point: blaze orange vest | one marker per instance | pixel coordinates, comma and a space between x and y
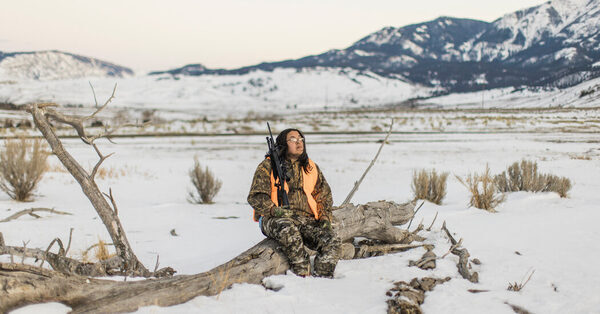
309, 181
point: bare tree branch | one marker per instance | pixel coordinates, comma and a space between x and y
434, 218
357, 184
448, 234
69, 245
94, 92
31, 210
112, 96
102, 158
24, 248
416, 211
61, 250
112, 200
157, 262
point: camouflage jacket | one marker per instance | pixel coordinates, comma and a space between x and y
260, 191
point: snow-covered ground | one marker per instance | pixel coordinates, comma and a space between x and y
555, 237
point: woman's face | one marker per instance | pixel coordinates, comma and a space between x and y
295, 145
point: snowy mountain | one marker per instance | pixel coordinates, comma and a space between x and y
51, 65
553, 44
282, 91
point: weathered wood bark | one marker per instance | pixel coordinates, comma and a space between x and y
375, 220
62, 263
129, 261
408, 297
22, 284
463, 257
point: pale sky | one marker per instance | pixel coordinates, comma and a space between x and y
165, 34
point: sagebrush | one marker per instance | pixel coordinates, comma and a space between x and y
524, 176
484, 192
429, 185
205, 183
23, 163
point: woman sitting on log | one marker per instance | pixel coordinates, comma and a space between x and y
307, 218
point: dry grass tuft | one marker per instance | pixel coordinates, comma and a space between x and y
483, 190
22, 165
580, 157
524, 176
560, 185
429, 186
101, 252
515, 286
207, 186
111, 172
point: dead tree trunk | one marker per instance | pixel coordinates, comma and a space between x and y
41, 114
23, 284
374, 220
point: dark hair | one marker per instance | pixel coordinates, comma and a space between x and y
281, 141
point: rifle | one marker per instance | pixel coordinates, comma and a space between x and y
278, 169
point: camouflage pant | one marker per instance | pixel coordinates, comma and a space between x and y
294, 233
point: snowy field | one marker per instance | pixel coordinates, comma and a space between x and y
557, 238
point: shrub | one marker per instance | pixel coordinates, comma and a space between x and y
121, 117
207, 186
8, 123
148, 115
524, 176
22, 166
560, 185
483, 190
429, 186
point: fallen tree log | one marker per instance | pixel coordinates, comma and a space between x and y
25, 284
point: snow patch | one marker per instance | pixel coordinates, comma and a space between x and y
363, 53
567, 53
414, 48
421, 29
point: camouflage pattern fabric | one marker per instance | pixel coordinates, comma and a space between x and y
296, 232
260, 191
299, 226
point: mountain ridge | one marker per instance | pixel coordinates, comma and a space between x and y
55, 64
552, 44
